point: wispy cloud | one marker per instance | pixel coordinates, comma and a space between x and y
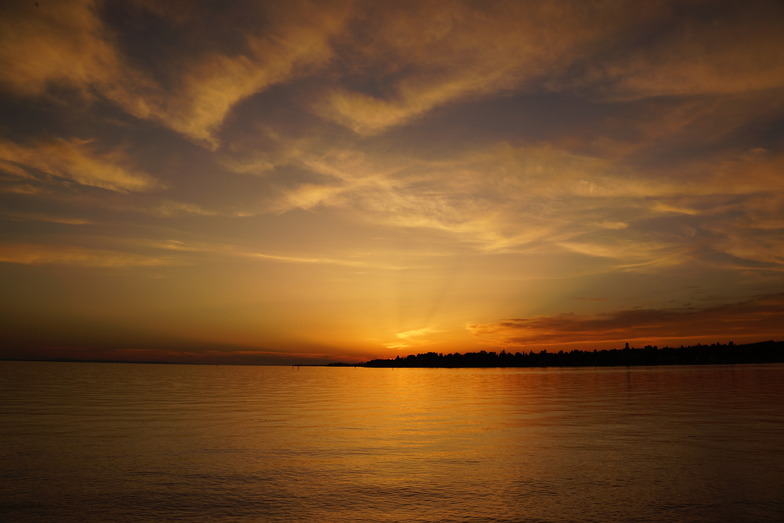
169, 208
433, 53
287, 43
702, 53
358, 261
508, 199
76, 256
73, 161
49, 218
57, 44
416, 333
412, 338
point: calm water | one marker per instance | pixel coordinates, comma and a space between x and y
105, 442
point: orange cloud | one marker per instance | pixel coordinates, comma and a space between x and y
501, 198
57, 43
168, 208
45, 218
67, 44
211, 85
432, 53
73, 160
75, 256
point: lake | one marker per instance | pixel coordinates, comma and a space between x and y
125, 442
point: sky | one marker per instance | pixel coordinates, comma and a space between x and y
313, 181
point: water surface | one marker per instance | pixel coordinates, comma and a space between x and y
114, 442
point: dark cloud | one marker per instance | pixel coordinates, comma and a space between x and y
757, 318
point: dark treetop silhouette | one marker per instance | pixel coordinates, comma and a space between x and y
762, 352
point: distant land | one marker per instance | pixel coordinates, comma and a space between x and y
714, 354
762, 352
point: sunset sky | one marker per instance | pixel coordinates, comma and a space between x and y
276, 182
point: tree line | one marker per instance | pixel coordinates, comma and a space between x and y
730, 353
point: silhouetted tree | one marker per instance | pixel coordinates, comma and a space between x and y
763, 352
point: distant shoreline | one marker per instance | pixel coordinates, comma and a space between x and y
715, 354
648, 356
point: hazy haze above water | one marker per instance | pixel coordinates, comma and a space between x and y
119, 442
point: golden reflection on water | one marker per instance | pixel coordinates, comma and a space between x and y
140, 442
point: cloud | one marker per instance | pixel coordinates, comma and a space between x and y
68, 44
760, 317
415, 333
427, 54
360, 260
366, 114
303, 259
54, 44
500, 198
412, 338
379, 65
169, 208
16, 188
667, 208
73, 161
497, 199
398, 63
480, 196
702, 50
48, 218
309, 196
75, 256
287, 43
